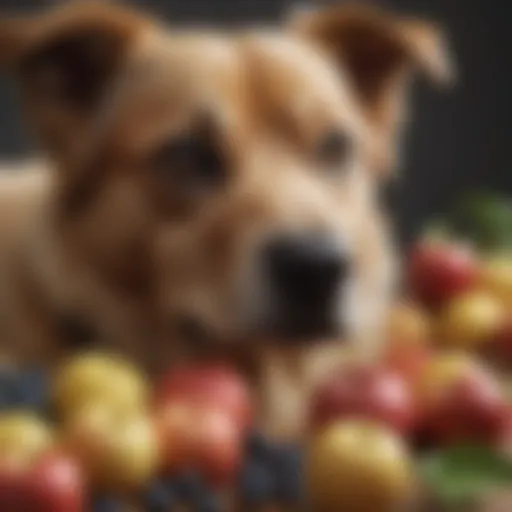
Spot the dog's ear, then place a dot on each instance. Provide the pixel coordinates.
(64, 60)
(379, 53)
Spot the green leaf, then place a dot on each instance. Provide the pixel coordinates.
(486, 219)
(460, 475)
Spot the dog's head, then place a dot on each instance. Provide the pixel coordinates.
(228, 179)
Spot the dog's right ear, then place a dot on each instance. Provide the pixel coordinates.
(65, 59)
(379, 53)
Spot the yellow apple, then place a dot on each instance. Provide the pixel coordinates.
(101, 378)
(496, 278)
(116, 450)
(441, 372)
(407, 325)
(23, 437)
(356, 465)
(133, 454)
(471, 320)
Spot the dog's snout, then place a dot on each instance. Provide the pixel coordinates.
(305, 271)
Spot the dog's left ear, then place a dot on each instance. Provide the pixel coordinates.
(379, 53)
(64, 60)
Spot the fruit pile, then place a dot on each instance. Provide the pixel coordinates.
(96, 437)
(431, 420)
(434, 416)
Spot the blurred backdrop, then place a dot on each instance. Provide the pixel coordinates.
(459, 141)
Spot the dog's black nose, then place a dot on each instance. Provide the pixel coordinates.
(306, 272)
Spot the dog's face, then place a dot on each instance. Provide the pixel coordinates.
(226, 179)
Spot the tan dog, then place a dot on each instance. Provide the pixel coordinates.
(207, 193)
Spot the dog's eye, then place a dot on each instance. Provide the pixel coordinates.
(190, 161)
(333, 148)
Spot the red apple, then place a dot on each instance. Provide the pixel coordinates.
(501, 345)
(439, 271)
(56, 484)
(409, 361)
(217, 446)
(12, 480)
(470, 408)
(174, 423)
(206, 439)
(367, 392)
(210, 385)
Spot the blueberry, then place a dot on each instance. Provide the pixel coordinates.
(208, 503)
(289, 488)
(32, 390)
(187, 486)
(259, 446)
(288, 471)
(8, 392)
(287, 455)
(256, 483)
(107, 504)
(159, 497)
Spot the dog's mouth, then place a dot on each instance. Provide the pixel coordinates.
(296, 330)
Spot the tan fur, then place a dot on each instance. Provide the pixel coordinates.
(102, 234)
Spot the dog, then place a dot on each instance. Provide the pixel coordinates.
(205, 193)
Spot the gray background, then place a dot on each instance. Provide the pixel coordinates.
(457, 142)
